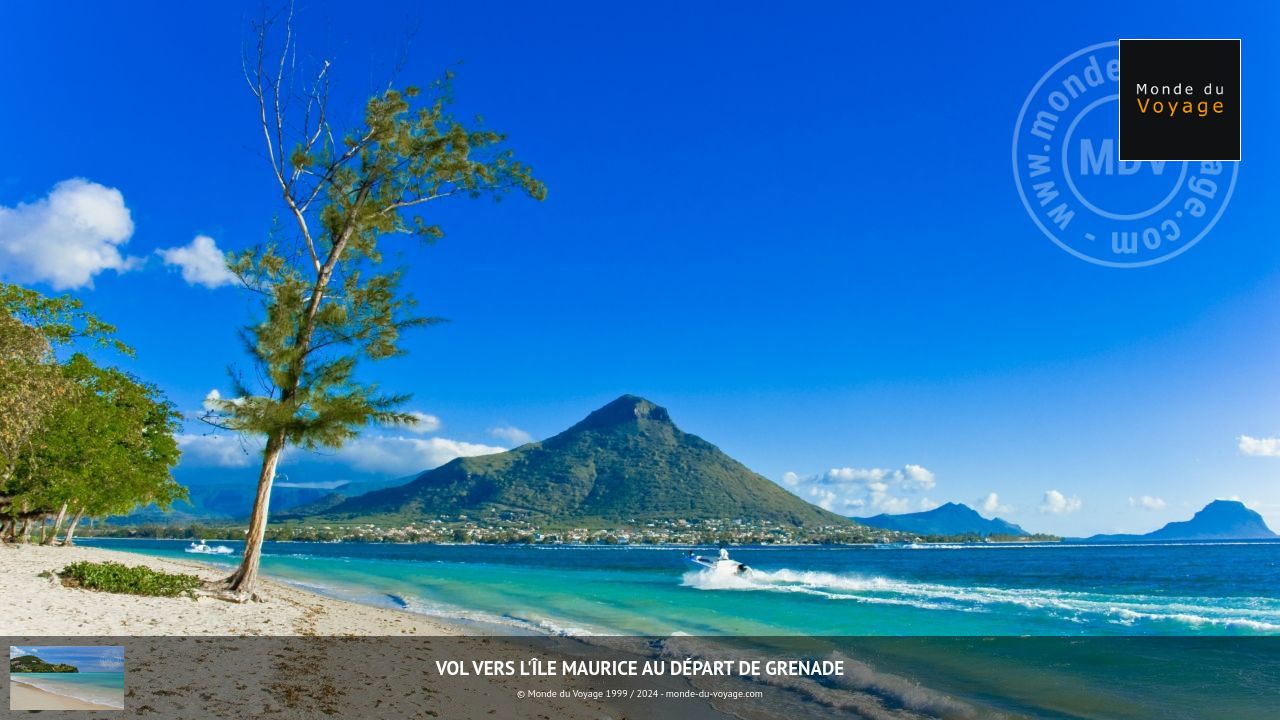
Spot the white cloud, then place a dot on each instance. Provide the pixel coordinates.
(222, 450)
(322, 485)
(991, 505)
(392, 455)
(15, 651)
(426, 423)
(919, 478)
(201, 262)
(1260, 447)
(1058, 504)
(865, 491)
(214, 402)
(1147, 502)
(66, 238)
(396, 455)
(511, 434)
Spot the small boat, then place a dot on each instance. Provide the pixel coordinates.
(203, 548)
(722, 564)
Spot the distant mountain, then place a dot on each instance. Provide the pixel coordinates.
(626, 462)
(949, 519)
(1219, 520)
(224, 500)
(33, 664)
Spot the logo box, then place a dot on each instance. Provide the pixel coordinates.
(1179, 100)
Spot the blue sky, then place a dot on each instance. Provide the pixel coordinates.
(794, 227)
(109, 658)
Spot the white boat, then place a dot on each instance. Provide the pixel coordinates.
(718, 565)
(203, 548)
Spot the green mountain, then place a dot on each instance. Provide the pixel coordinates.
(33, 664)
(625, 463)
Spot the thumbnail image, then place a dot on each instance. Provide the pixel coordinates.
(66, 677)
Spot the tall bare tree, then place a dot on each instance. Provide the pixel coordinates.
(328, 299)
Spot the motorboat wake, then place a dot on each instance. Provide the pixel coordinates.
(722, 565)
(203, 548)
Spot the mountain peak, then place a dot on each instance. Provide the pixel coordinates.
(625, 463)
(1219, 520)
(948, 519)
(625, 409)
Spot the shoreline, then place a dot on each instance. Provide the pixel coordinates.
(42, 606)
(658, 546)
(24, 696)
(307, 652)
(1064, 542)
(310, 641)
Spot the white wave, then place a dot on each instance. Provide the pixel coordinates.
(1251, 614)
(536, 625)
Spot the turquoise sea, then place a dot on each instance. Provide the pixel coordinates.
(102, 688)
(1115, 632)
(1222, 588)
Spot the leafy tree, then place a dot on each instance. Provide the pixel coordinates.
(74, 437)
(329, 299)
(31, 326)
(29, 389)
(61, 320)
(107, 448)
(111, 448)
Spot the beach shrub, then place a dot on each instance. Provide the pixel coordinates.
(117, 578)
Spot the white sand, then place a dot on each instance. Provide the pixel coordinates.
(299, 680)
(32, 605)
(217, 671)
(25, 697)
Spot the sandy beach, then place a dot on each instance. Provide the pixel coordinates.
(32, 605)
(25, 697)
(295, 655)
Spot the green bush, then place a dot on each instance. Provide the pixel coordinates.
(117, 578)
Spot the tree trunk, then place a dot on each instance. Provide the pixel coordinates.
(25, 537)
(243, 581)
(71, 529)
(57, 526)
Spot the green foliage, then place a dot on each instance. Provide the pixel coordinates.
(330, 301)
(118, 578)
(30, 387)
(627, 462)
(75, 438)
(62, 320)
(106, 448)
(33, 664)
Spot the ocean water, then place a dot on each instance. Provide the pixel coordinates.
(102, 688)
(1220, 588)
(1105, 632)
